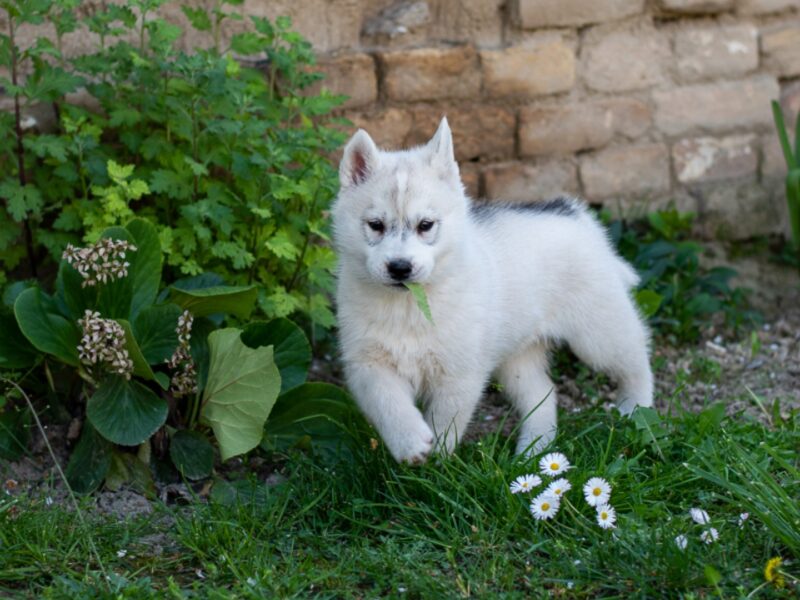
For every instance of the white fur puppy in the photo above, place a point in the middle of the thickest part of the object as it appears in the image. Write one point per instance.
(504, 282)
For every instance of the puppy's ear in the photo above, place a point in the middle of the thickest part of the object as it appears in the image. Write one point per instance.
(359, 161)
(441, 151)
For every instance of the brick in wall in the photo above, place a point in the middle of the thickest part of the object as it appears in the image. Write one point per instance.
(352, 75)
(485, 132)
(707, 159)
(641, 170)
(534, 14)
(431, 73)
(695, 7)
(528, 72)
(567, 128)
(389, 128)
(623, 60)
(711, 51)
(762, 7)
(518, 182)
(716, 107)
(781, 49)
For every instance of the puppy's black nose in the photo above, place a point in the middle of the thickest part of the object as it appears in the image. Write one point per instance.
(399, 269)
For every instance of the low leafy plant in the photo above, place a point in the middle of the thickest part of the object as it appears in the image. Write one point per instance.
(153, 361)
(793, 176)
(676, 292)
(224, 148)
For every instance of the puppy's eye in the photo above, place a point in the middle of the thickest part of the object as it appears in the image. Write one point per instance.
(376, 225)
(425, 225)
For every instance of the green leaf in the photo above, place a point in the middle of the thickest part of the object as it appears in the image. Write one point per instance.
(793, 203)
(197, 17)
(21, 200)
(127, 469)
(292, 352)
(89, 461)
(649, 423)
(154, 329)
(125, 412)
(243, 492)
(48, 331)
(114, 297)
(192, 454)
(316, 415)
(72, 297)
(171, 184)
(145, 270)
(16, 351)
(235, 300)
(247, 43)
(141, 368)
(783, 136)
(242, 386)
(649, 302)
(14, 432)
(422, 299)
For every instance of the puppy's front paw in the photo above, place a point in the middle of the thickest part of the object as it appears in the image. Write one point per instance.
(411, 444)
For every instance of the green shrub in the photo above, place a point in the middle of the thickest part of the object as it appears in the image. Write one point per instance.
(676, 292)
(229, 161)
(154, 361)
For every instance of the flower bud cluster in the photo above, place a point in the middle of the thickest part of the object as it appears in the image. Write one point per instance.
(103, 343)
(184, 381)
(102, 262)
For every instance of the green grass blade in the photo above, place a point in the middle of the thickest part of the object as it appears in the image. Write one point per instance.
(793, 202)
(783, 136)
(422, 299)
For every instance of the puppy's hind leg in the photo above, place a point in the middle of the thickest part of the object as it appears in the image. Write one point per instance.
(616, 342)
(525, 380)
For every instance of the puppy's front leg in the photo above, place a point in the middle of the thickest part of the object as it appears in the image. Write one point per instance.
(387, 400)
(451, 406)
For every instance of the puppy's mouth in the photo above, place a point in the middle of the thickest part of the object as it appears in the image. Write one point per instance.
(399, 285)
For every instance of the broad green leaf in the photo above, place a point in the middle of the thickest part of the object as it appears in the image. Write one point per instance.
(114, 297)
(242, 386)
(16, 351)
(235, 300)
(201, 329)
(141, 368)
(145, 269)
(247, 43)
(89, 461)
(20, 200)
(72, 297)
(48, 331)
(649, 302)
(128, 470)
(154, 329)
(14, 432)
(422, 299)
(292, 351)
(125, 412)
(316, 415)
(198, 17)
(192, 454)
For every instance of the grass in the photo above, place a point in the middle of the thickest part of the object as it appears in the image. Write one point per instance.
(365, 527)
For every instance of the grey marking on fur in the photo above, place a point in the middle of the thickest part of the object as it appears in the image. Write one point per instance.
(561, 206)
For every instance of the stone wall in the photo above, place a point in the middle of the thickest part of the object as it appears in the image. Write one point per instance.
(629, 103)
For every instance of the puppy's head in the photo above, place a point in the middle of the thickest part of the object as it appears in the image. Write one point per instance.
(398, 214)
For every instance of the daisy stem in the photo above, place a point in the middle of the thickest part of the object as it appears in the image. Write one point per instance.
(580, 518)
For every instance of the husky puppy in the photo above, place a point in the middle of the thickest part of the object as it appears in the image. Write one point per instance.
(504, 283)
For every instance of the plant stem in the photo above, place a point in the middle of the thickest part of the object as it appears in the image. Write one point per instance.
(20, 148)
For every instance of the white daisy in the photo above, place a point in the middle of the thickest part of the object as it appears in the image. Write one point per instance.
(597, 491)
(525, 483)
(544, 506)
(606, 516)
(710, 535)
(558, 487)
(553, 464)
(681, 541)
(699, 516)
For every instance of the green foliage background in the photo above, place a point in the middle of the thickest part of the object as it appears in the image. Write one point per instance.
(223, 148)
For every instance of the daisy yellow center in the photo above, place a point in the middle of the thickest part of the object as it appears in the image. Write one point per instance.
(554, 466)
(597, 491)
(558, 491)
(524, 484)
(604, 515)
(545, 506)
